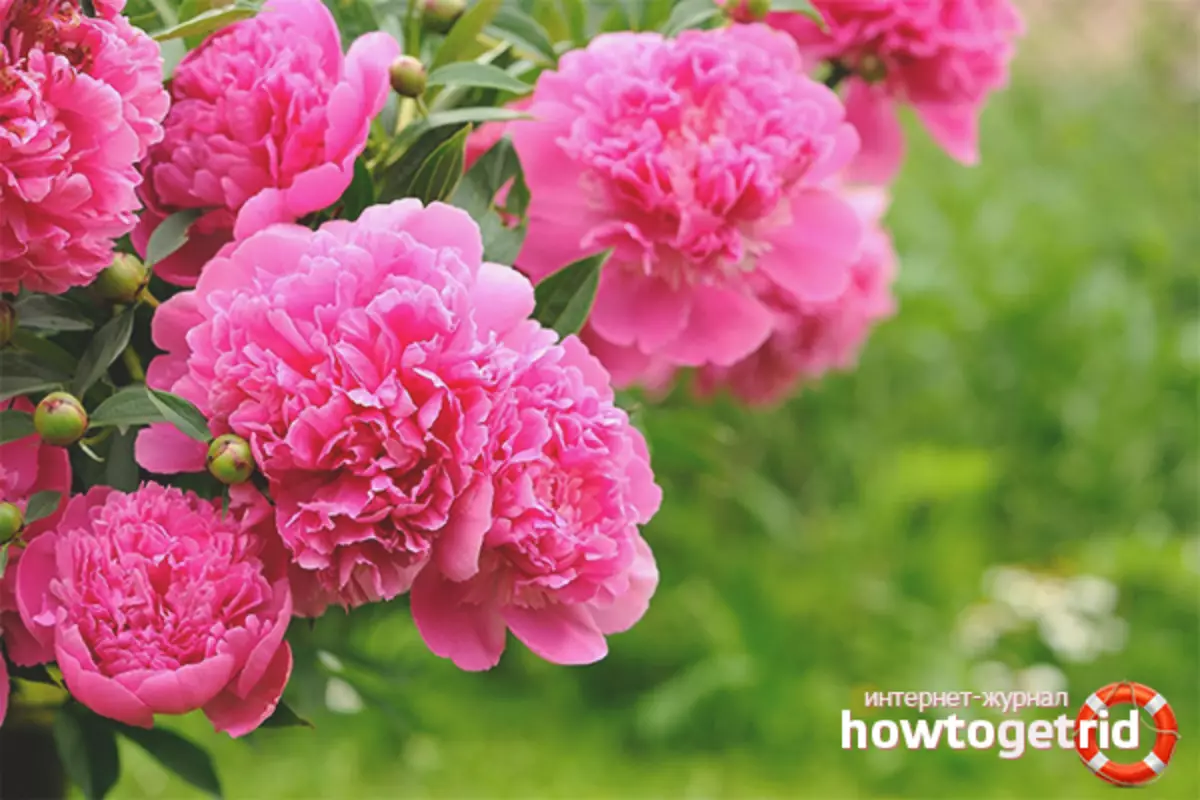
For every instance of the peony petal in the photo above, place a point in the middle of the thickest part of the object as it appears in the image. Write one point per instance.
(239, 715)
(457, 548)
(560, 633)
(98, 692)
(811, 258)
(873, 115)
(636, 309)
(181, 690)
(954, 127)
(502, 298)
(724, 326)
(470, 635)
(630, 606)
(35, 602)
(164, 449)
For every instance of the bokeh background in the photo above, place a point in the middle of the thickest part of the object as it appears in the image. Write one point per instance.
(1003, 495)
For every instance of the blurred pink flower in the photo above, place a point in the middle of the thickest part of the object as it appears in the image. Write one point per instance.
(157, 603)
(268, 118)
(701, 160)
(26, 467)
(361, 362)
(944, 57)
(81, 100)
(563, 562)
(809, 339)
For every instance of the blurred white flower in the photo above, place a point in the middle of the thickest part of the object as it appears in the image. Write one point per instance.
(342, 698)
(1042, 678)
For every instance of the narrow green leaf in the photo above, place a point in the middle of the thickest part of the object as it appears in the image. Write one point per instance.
(104, 348)
(182, 414)
(209, 21)
(461, 116)
(524, 32)
(170, 235)
(44, 351)
(576, 15)
(462, 36)
(41, 505)
(804, 7)
(181, 756)
(655, 13)
(398, 175)
(501, 244)
(15, 425)
(3, 559)
(360, 194)
(690, 14)
(285, 717)
(471, 73)
(47, 312)
(129, 406)
(88, 749)
(564, 299)
(486, 177)
(13, 386)
(20, 375)
(439, 176)
(120, 466)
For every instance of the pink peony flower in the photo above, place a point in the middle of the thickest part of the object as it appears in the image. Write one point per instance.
(563, 562)
(944, 57)
(809, 339)
(361, 363)
(268, 118)
(157, 603)
(81, 100)
(26, 467)
(701, 160)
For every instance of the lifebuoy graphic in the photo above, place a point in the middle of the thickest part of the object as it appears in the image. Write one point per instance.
(1165, 727)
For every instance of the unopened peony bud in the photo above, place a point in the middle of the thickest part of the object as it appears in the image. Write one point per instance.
(408, 76)
(123, 280)
(747, 11)
(439, 16)
(8, 322)
(11, 522)
(60, 419)
(230, 460)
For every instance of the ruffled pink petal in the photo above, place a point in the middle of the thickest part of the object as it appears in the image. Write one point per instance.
(563, 634)
(456, 551)
(811, 258)
(954, 127)
(502, 298)
(181, 690)
(635, 309)
(470, 635)
(100, 693)
(34, 600)
(873, 115)
(723, 326)
(162, 448)
(239, 715)
(623, 612)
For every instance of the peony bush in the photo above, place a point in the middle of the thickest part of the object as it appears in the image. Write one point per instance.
(300, 317)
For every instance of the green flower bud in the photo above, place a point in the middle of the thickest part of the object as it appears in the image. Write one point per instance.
(230, 460)
(439, 16)
(8, 322)
(11, 522)
(408, 76)
(60, 419)
(123, 280)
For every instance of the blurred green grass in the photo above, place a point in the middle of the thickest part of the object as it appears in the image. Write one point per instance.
(1033, 404)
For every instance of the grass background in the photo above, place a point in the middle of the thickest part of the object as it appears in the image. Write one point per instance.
(1034, 404)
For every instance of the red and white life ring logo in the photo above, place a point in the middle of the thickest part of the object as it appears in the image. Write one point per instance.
(1087, 742)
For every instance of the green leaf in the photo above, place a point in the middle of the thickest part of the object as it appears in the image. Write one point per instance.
(804, 7)
(285, 717)
(360, 194)
(88, 749)
(397, 177)
(41, 505)
(170, 235)
(565, 298)
(104, 348)
(129, 406)
(182, 414)
(655, 13)
(576, 15)
(4, 558)
(471, 73)
(441, 173)
(486, 177)
(690, 14)
(15, 425)
(44, 351)
(120, 466)
(20, 375)
(47, 312)
(462, 116)
(461, 37)
(209, 21)
(181, 756)
(501, 244)
(524, 32)
(35, 674)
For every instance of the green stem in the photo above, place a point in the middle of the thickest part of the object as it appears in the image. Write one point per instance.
(133, 364)
(149, 299)
(412, 30)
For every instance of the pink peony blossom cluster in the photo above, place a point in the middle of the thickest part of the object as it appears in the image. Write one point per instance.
(267, 120)
(410, 420)
(944, 57)
(155, 602)
(81, 100)
(810, 339)
(26, 467)
(703, 162)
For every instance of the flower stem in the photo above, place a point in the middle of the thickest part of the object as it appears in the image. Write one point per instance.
(133, 364)
(149, 299)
